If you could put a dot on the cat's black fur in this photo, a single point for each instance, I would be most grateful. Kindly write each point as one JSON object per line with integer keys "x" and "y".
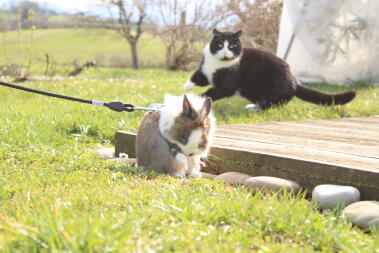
{"x": 260, "y": 76}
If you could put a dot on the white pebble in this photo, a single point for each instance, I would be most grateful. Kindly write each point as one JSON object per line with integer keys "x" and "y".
{"x": 329, "y": 196}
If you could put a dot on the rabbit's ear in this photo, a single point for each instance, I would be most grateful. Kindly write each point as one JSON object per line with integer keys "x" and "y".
{"x": 206, "y": 109}
{"x": 188, "y": 111}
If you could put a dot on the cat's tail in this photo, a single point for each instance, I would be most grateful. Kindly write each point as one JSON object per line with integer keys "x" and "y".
{"x": 317, "y": 97}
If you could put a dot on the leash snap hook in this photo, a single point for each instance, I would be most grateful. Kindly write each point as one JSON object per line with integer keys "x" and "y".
{"x": 129, "y": 108}
{"x": 120, "y": 106}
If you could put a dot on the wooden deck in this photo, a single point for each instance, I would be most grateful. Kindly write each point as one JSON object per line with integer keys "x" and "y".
{"x": 342, "y": 151}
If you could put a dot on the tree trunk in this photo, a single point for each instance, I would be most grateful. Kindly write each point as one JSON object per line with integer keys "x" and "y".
{"x": 133, "y": 47}
{"x": 168, "y": 57}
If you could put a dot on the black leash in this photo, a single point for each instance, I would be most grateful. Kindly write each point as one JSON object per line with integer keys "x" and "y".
{"x": 115, "y": 105}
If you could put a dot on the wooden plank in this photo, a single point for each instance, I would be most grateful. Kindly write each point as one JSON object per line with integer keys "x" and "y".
{"x": 368, "y": 120}
{"x": 341, "y": 123}
{"x": 346, "y": 136}
{"x": 334, "y": 126}
{"x": 306, "y": 172}
{"x": 309, "y": 154}
{"x": 350, "y": 131}
{"x": 125, "y": 143}
{"x": 342, "y": 151}
{"x": 325, "y": 145}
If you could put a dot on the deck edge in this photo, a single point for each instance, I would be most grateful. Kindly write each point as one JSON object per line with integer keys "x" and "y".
{"x": 306, "y": 173}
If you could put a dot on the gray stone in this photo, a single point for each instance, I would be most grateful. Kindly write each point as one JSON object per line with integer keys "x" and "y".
{"x": 233, "y": 178}
{"x": 272, "y": 184}
{"x": 106, "y": 153}
{"x": 329, "y": 196}
{"x": 207, "y": 175}
{"x": 364, "y": 214}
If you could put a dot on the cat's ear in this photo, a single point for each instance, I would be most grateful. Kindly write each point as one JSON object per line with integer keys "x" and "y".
{"x": 215, "y": 31}
{"x": 238, "y": 33}
{"x": 188, "y": 111}
{"x": 206, "y": 109}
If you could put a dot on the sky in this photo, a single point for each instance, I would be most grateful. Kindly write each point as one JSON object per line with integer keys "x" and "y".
{"x": 64, "y": 5}
{"x": 91, "y": 7}
{"x": 68, "y": 4}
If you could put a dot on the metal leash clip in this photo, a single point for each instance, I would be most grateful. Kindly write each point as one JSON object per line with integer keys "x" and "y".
{"x": 151, "y": 108}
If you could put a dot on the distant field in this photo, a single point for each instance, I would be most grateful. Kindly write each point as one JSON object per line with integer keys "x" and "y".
{"x": 67, "y": 45}
{"x": 5, "y": 15}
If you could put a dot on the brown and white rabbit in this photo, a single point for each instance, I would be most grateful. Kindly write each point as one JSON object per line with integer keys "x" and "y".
{"x": 175, "y": 138}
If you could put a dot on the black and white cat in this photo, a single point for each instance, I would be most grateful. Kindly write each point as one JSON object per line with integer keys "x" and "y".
{"x": 257, "y": 75}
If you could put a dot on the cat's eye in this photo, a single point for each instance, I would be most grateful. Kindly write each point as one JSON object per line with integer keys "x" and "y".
{"x": 220, "y": 45}
{"x": 232, "y": 46}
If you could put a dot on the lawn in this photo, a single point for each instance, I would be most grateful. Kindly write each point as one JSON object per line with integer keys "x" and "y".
{"x": 57, "y": 195}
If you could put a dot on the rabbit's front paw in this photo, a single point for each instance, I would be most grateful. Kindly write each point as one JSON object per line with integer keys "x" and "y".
{"x": 181, "y": 166}
{"x": 178, "y": 175}
{"x": 194, "y": 173}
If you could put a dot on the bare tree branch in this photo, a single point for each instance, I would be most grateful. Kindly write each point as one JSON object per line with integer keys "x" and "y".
{"x": 259, "y": 20}
{"x": 183, "y": 26}
{"x": 130, "y": 22}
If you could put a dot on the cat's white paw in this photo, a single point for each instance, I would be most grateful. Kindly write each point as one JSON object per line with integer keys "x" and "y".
{"x": 253, "y": 108}
{"x": 189, "y": 85}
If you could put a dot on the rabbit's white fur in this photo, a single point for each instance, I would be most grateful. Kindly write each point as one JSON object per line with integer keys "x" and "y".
{"x": 153, "y": 151}
{"x": 173, "y": 106}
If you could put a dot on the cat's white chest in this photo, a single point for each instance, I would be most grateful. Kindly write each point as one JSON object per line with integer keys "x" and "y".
{"x": 212, "y": 63}
{"x": 209, "y": 67}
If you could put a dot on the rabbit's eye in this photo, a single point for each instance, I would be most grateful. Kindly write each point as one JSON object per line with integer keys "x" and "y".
{"x": 184, "y": 136}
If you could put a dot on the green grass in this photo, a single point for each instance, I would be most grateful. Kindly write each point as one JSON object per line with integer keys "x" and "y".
{"x": 57, "y": 195}
{"x": 67, "y": 45}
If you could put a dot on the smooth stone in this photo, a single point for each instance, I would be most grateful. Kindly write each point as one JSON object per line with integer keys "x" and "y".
{"x": 106, "y": 153}
{"x": 329, "y": 196}
{"x": 207, "y": 175}
{"x": 272, "y": 184}
{"x": 233, "y": 178}
{"x": 364, "y": 214}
